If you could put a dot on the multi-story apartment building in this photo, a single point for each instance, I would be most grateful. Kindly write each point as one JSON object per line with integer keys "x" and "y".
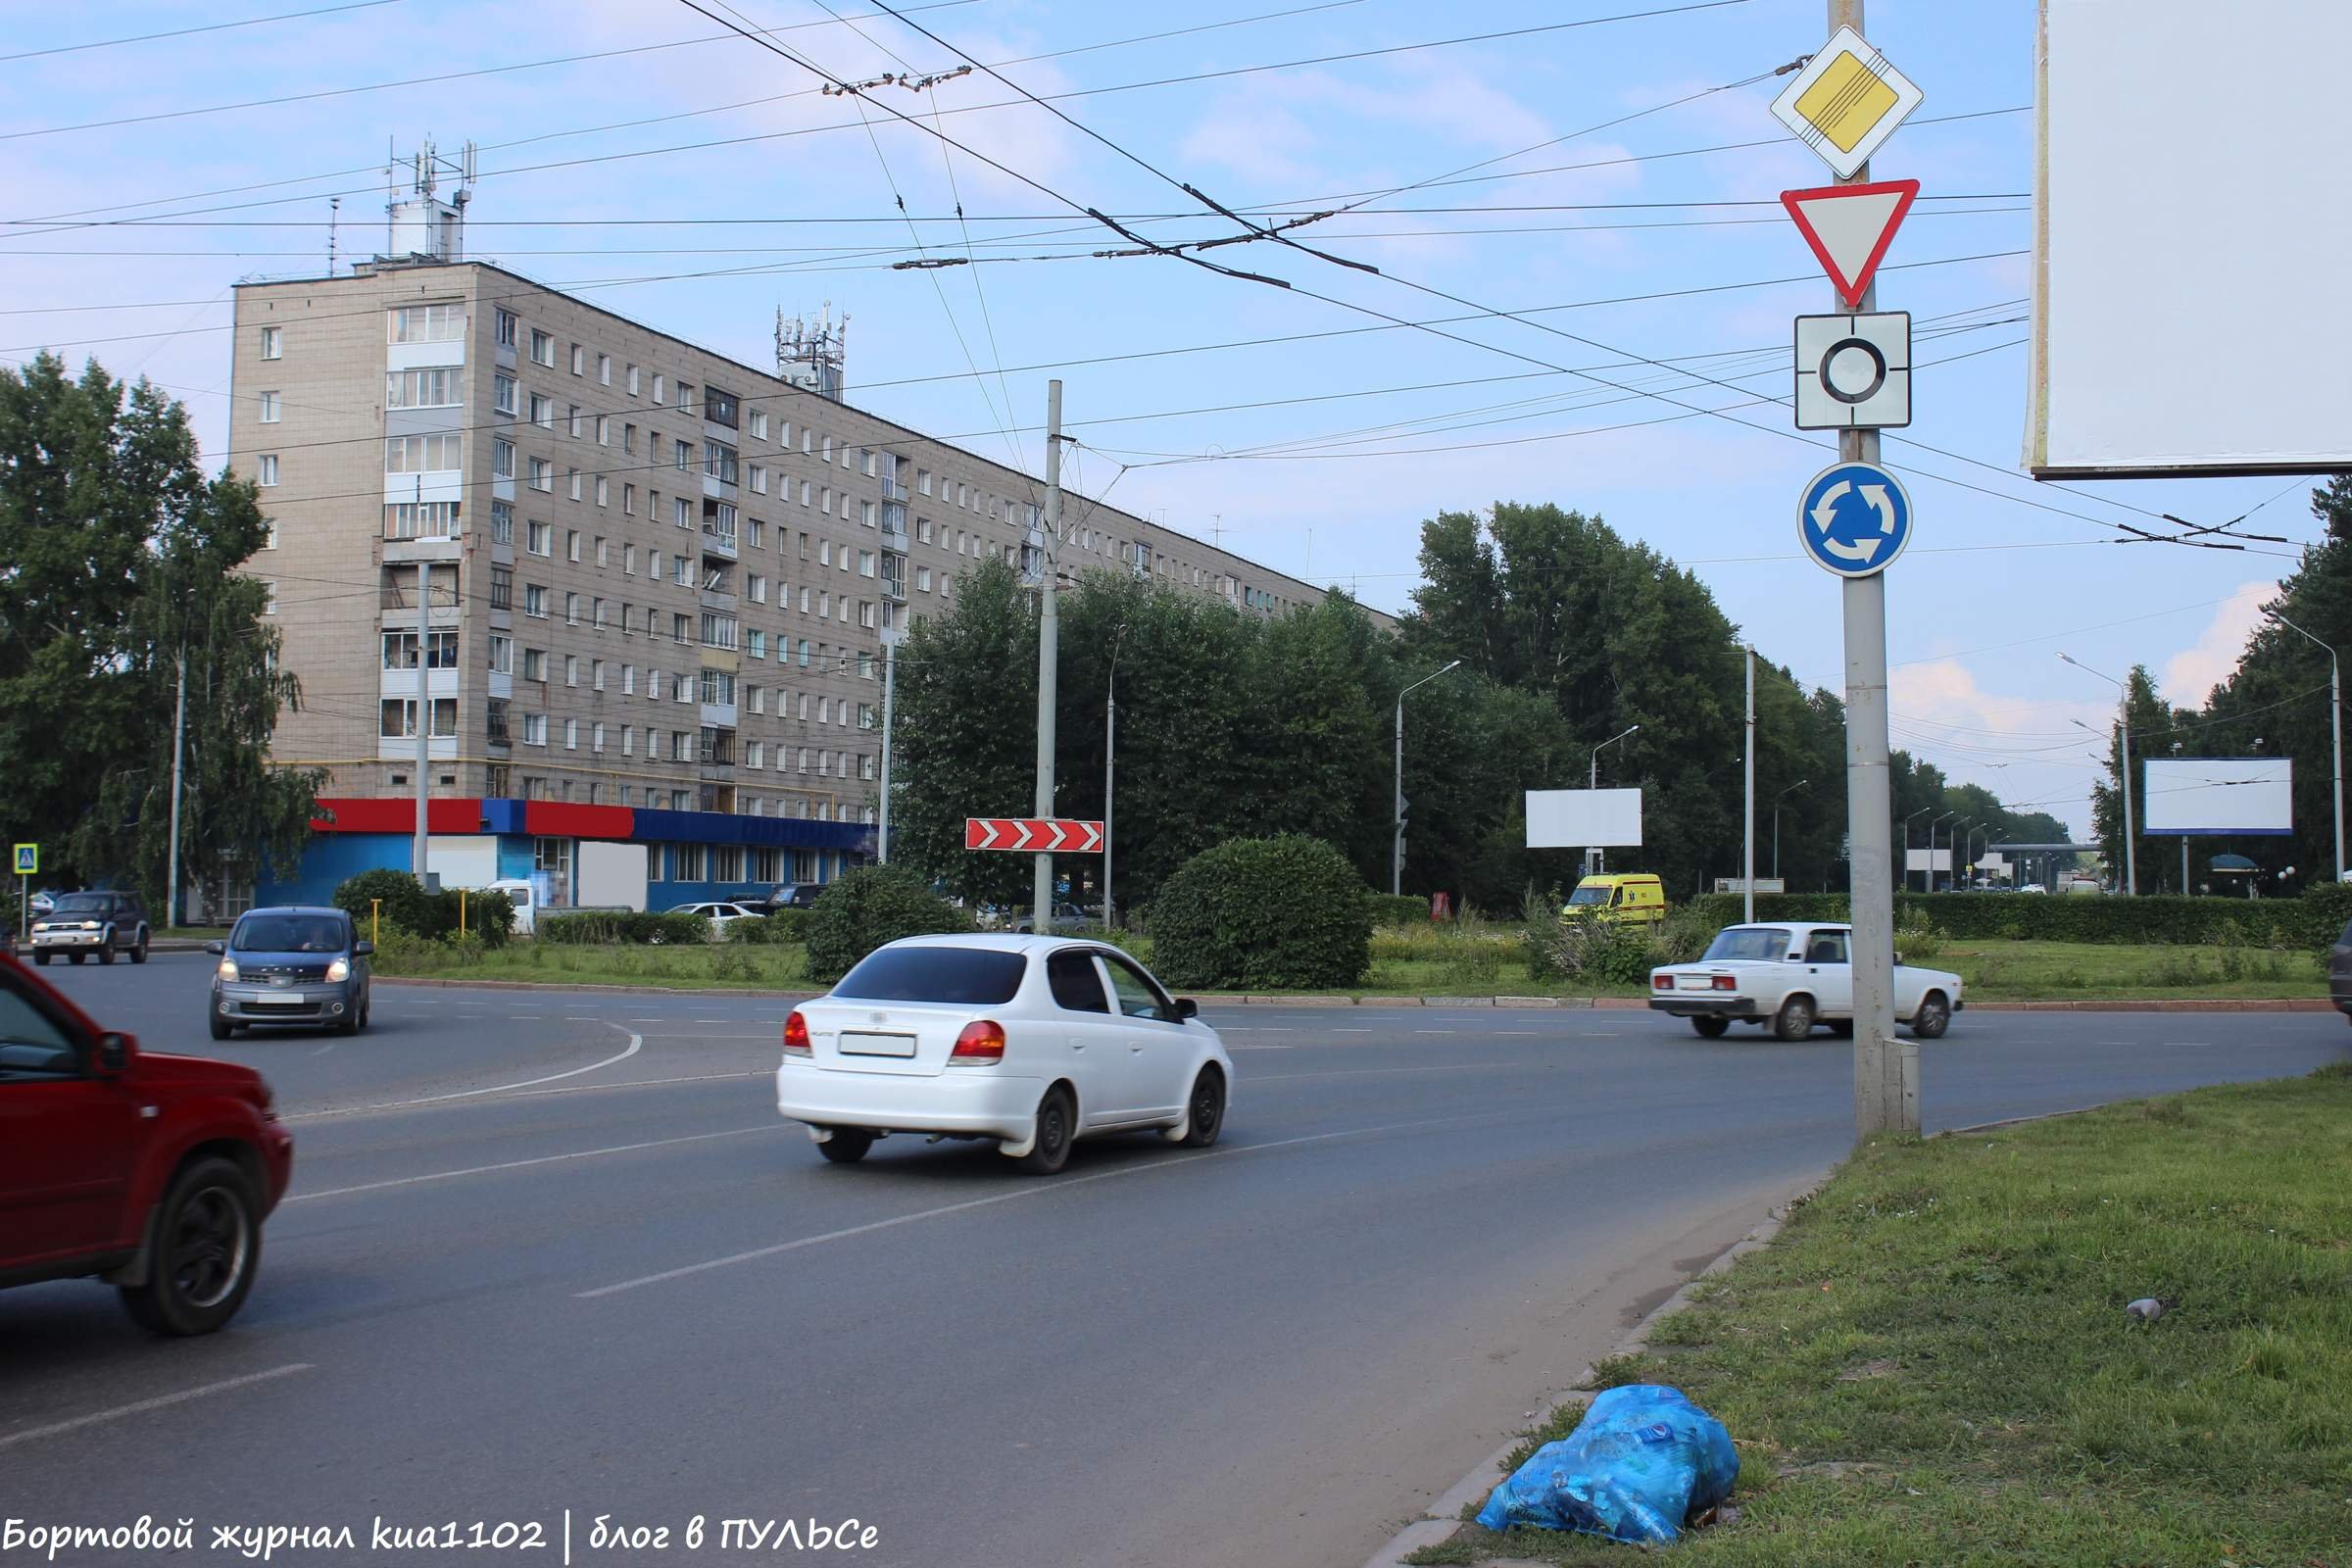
{"x": 640, "y": 577}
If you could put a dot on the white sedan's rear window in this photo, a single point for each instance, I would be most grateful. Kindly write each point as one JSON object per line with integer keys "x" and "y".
{"x": 1746, "y": 942}
{"x": 980, "y": 976}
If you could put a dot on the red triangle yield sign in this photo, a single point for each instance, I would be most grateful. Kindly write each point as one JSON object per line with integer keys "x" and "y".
{"x": 1851, "y": 226}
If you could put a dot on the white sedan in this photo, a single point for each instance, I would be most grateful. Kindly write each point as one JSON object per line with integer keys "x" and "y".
{"x": 720, "y": 917}
{"x": 1791, "y": 977}
{"x": 1033, "y": 1041}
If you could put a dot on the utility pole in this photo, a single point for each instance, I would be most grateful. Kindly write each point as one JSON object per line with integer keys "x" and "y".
{"x": 180, "y": 730}
{"x": 1049, "y": 650}
{"x": 1885, "y": 1070}
{"x": 1748, "y": 813}
{"x": 425, "y": 707}
{"x": 1111, "y": 732}
{"x": 890, "y": 682}
{"x": 1397, "y": 822}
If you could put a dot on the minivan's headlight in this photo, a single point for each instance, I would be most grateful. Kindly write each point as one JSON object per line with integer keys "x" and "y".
{"x": 229, "y": 968}
{"x": 340, "y": 969}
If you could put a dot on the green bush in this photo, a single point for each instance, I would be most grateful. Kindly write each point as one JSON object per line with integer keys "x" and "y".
{"x": 1393, "y": 910}
{"x": 2306, "y": 924}
{"x": 405, "y": 906}
{"x": 758, "y": 932}
{"x": 789, "y": 925}
{"x": 862, "y": 909}
{"x": 1916, "y": 937}
{"x": 1263, "y": 914}
{"x": 638, "y": 927}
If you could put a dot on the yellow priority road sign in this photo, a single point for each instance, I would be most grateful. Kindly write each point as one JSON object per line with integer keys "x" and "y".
{"x": 1845, "y": 102}
{"x": 29, "y": 860}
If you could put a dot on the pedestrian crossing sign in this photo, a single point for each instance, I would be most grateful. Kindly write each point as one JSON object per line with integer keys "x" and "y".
{"x": 29, "y": 860}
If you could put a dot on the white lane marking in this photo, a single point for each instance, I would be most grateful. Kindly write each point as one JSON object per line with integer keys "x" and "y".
{"x": 581, "y": 1017}
{"x": 520, "y": 1165}
{"x": 636, "y": 1043}
{"x": 1352, "y": 1031}
{"x": 1437, "y": 1031}
{"x": 1037, "y": 1191}
{"x": 159, "y": 1402}
{"x": 526, "y": 1014}
{"x": 323, "y": 1049}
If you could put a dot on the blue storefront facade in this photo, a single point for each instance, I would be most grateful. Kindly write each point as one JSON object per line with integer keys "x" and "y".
{"x": 578, "y": 855}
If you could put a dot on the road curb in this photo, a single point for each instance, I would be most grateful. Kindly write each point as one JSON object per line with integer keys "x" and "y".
{"x": 1442, "y": 1517}
{"x": 1258, "y": 1000}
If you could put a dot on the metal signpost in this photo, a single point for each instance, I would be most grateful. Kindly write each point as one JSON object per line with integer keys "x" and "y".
{"x": 1854, "y": 519}
{"x": 28, "y": 866}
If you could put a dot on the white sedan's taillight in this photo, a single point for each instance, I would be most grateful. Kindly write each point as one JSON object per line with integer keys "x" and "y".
{"x": 981, "y": 1042}
{"x": 1661, "y": 982}
{"x": 796, "y": 1036}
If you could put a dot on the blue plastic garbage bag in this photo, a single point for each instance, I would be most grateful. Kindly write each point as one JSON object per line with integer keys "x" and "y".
{"x": 1637, "y": 1467}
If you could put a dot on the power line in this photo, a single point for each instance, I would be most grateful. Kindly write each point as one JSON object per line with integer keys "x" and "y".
{"x": 182, "y": 32}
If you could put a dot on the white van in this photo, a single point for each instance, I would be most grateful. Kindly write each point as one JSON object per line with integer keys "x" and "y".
{"x": 518, "y": 894}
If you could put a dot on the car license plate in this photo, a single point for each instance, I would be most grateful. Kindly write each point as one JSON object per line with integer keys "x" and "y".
{"x": 1693, "y": 982}
{"x": 867, "y": 1045}
{"x": 282, "y": 999}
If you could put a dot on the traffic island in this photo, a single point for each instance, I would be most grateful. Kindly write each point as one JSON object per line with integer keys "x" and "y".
{"x": 1932, "y": 1361}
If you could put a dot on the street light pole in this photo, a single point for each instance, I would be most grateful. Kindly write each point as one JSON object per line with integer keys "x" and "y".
{"x": 1747, "y": 808}
{"x": 1907, "y": 821}
{"x": 1111, "y": 725}
{"x": 2335, "y": 734}
{"x": 2123, "y": 729}
{"x": 1049, "y": 650}
{"x": 1593, "y": 782}
{"x": 1775, "y": 823}
{"x": 1948, "y": 847}
{"x": 890, "y": 685}
{"x": 1397, "y": 847}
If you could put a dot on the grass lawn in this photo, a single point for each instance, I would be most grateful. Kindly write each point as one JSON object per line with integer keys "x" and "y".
{"x": 730, "y": 966}
{"x": 1931, "y": 1364}
{"x": 1441, "y": 963}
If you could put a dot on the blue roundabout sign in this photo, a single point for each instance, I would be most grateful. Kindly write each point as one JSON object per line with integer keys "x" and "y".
{"x": 1854, "y": 519}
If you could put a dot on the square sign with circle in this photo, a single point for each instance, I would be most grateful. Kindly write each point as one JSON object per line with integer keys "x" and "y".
{"x": 1845, "y": 102}
{"x": 1853, "y": 373}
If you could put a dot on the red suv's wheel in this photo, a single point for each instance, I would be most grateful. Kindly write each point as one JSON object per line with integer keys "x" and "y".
{"x": 207, "y": 1244}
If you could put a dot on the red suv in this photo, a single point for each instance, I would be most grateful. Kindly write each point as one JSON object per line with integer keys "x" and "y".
{"x": 152, "y": 1172}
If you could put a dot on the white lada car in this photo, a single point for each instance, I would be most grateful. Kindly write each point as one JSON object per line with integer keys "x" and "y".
{"x": 1790, "y": 976}
{"x": 1033, "y": 1041}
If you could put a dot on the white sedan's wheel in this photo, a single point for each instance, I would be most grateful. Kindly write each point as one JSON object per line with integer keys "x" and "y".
{"x": 1204, "y": 1113}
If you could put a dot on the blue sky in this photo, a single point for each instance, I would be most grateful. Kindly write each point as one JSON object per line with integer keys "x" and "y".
{"x": 2001, "y": 574}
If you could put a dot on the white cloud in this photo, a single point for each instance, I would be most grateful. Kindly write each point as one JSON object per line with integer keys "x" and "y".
{"x": 2197, "y": 669}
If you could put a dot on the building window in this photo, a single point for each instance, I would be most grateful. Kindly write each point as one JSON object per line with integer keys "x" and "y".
{"x": 755, "y": 644}
{"x": 543, "y": 348}
{"x": 571, "y": 614}
{"x": 866, "y": 562}
{"x": 573, "y": 420}
{"x": 628, "y": 500}
{"x": 502, "y": 653}
{"x": 922, "y": 578}
{"x": 534, "y": 664}
{"x": 541, "y": 475}
{"x": 629, "y": 680}
{"x": 502, "y": 588}
{"x": 502, "y": 392}
{"x": 269, "y": 408}
{"x": 422, "y": 454}
{"x": 659, "y": 382}
{"x": 502, "y": 456}
{"x": 421, "y": 520}
{"x": 759, "y": 423}
{"x": 534, "y": 599}
{"x": 719, "y": 407}
{"x": 534, "y": 729}
{"x": 502, "y": 523}
{"x": 539, "y": 538}
{"x": 427, "y": 323}
{"x": 758, "y": 589}
{"x": 580, "y": 360}
{"x": 681, "y": 628}
{"x": 398, "y": 717}
{"x": 273, "y": 343}
{"x": 269, "y": 469}
{"x": 604, "y": 369}
{"x": 603, "y": 496}
{"x": 424, "y": 389}
{"x": 268, "y": 597}
{"x": 506, "y": 328}
{"x": 629, "y": 741}
{"x": 596, "y": 737}
{"x": 543, "y": 411}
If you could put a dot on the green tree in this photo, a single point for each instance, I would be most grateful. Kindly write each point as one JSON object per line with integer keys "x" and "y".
{"x": 120, "y": 555}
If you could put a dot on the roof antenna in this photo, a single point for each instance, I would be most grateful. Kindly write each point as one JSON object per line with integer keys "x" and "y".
{"x": 334, "y": 212}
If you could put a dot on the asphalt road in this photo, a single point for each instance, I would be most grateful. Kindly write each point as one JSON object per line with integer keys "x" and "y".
{"x": 552, "y": 1251}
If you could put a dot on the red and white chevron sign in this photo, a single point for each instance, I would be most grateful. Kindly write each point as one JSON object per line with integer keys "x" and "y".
{"x": 1032, "y": 834}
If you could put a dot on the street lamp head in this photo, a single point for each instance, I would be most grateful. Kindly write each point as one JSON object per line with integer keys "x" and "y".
{"x": 1457, "y": 664}
{"x": 2069, "y": 658}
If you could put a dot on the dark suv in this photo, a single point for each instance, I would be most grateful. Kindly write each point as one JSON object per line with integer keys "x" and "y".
{"x": 79, "y": 924}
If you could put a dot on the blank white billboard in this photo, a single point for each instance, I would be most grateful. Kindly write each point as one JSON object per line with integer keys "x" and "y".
{"x": 1927, "y": 859}
{"x": 2189, "y": 228}
{"x": 2220, "y": 796}
{"x": 1583, "y": 820}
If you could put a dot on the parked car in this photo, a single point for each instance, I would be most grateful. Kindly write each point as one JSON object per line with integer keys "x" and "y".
{"x": 1066, "y": 918}
{"x": 2339, "y": 971}
{"x": 151, "y": 1172}
{"x": 79, "y": 924}
{"x": 1631, "y": 898}
{"x": 42, "y": 900}
{"x": 1791, "y": 977}
{"x": 1033, "y": 1041}
{"x": 790, "y": 896}
{"x": 720, "y": 916}
{"x": 290, "y": 964}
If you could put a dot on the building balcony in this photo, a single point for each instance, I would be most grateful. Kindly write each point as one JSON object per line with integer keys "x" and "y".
{"x": 893, "y": 589}
{"x": 716, "y": 543}
{"x": 721, "y": 603}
